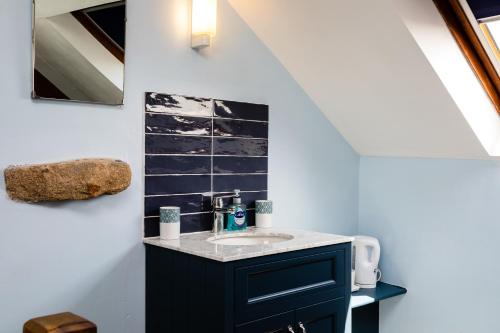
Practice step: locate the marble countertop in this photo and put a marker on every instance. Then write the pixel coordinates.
(197, 244)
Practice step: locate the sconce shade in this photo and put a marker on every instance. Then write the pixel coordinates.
(203, 22)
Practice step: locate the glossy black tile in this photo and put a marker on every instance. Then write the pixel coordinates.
(151, 226)
(237, 164)
(189, 223)
(167, 124)
(158, 185)
(167, 164)
(251, 218)
(247, 147)
(191, 203)
(244, 183)
(240, 128)
(181, 105)
(196, 222)
(250, 197)
(239, 110)
(171, 144)
(247, 198)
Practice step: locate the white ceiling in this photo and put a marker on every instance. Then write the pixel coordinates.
(362, 66)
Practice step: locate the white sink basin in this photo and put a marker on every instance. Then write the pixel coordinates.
(246, 239)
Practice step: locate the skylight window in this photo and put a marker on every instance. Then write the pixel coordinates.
(491, 32)
(475, 25)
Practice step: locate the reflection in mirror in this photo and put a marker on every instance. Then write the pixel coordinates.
(79, 50)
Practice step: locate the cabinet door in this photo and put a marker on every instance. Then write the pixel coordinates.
(326, 317)
(285, 285)
(274, 324)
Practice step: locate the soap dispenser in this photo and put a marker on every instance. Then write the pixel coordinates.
(237, 214)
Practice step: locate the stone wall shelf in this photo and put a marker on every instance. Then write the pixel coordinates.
(81, 179)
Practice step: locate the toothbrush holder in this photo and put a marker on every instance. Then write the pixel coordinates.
(263, 214)
(170, 222)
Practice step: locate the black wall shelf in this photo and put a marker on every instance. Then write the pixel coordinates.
(365, 318)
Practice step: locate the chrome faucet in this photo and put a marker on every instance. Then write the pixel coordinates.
(219, 210)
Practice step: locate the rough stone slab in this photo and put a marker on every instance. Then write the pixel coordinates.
(71, 180)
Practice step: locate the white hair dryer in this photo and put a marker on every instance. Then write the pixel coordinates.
(366, 257)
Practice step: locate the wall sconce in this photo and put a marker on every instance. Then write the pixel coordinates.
(203, 22)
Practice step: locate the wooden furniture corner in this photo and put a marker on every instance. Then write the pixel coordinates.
(66, 322)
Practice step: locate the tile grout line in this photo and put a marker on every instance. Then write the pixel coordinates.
(208, 136)
(198, 193)
(164, 113)
(207, 174)
(205, 155)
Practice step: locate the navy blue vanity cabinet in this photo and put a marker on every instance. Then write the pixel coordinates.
(326, 317)
(279, 323)
(273, 293)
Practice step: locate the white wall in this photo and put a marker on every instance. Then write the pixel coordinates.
(438, 222)
(87, 257)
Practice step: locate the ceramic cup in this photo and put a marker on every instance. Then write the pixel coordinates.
(170, 222)
(263, 214)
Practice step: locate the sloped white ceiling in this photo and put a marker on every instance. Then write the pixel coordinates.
(360, 64)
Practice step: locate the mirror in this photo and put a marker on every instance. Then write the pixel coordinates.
(79, 50)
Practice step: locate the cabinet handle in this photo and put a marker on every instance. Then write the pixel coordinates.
(290, 329)
(302, 327)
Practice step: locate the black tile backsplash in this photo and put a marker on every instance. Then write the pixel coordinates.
(156, 185)
(227, 183)
(179, 105)
(240, 110)
(196, 222)
(173, 144)
(189, 223)
(167, 124)
(245, 147)
(247, 198)
(151, 226)
(172, 164)
(240, 128)
(190, 203)
(238, 164)
(198, 147)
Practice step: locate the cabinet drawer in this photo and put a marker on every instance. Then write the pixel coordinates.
(326, 317)
(274, 324)
(283, 285)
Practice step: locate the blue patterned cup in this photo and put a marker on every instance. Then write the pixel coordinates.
(263, 213)
(170, 214)
(170, 222)
(263, 207)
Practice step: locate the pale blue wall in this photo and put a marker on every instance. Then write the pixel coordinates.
(87, 257)
(438, 222)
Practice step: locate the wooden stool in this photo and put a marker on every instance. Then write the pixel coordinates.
(66, 322)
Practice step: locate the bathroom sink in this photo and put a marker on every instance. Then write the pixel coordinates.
(246, 239)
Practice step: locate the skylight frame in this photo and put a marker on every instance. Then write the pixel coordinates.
(492, 37)
(464, 27)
